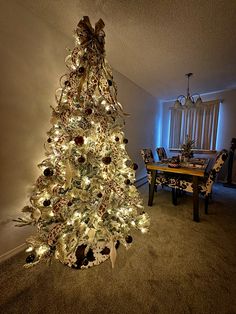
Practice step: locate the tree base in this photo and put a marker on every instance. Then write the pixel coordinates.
(88, 257)
(100, 254)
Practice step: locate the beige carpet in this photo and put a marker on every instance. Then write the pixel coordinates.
(179, 267)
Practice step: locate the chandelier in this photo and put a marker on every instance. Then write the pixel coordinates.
(188, 101)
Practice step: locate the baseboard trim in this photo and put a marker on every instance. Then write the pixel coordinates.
(141, 181)
(12, 252)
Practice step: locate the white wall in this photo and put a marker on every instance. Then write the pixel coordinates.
(32, 55)
(141, 125)
(226, 127)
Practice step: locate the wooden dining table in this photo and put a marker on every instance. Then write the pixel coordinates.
(195, 172)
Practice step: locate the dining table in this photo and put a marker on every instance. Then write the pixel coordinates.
(192, 169)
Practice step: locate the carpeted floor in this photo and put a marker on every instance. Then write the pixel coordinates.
(179, 267)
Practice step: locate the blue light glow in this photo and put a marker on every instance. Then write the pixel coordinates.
(158, 123)
(219, 143)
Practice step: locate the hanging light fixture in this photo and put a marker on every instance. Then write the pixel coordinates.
(187, 101)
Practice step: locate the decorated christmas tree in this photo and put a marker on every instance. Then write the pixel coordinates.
(84, 203)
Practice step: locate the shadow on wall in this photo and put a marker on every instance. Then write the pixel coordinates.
(33, 61)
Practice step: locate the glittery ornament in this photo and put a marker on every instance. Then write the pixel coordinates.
(88, 111)
(128, 239)
(81, 70)
(67, 83)
(30, 258)
(47, 203)
(79, 140)
(81, 159)
(127, 181)
(48, 172)
(106, 160)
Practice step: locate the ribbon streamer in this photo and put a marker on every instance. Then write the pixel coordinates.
(113, 253)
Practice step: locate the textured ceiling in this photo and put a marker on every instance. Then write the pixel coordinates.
(154, 43)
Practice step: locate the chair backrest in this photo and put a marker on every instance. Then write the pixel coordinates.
(147, 155)
(218, 163)
(161, 152)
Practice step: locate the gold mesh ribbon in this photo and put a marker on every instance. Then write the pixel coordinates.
(89, 36)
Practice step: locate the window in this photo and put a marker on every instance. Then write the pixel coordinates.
(198, 123)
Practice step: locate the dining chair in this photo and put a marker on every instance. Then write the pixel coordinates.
(147, 155)
(162, 179)
(205, 187)
(161, 153)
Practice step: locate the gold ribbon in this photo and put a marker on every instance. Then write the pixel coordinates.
(89, 36)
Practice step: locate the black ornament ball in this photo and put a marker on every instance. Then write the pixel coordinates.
(127, 181)
(49, 140)
(128, 239)
(109, 82)
(48, 172)
(79, 140)
(106, 160)
(30, 258)
(125, 140)
(81, 70)
(135, 166)
(108, 111)
(47, 203)
(88, 111)
(81, 159)
(117, 139)
(67, 83)
(99, 195)
(69, 203)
